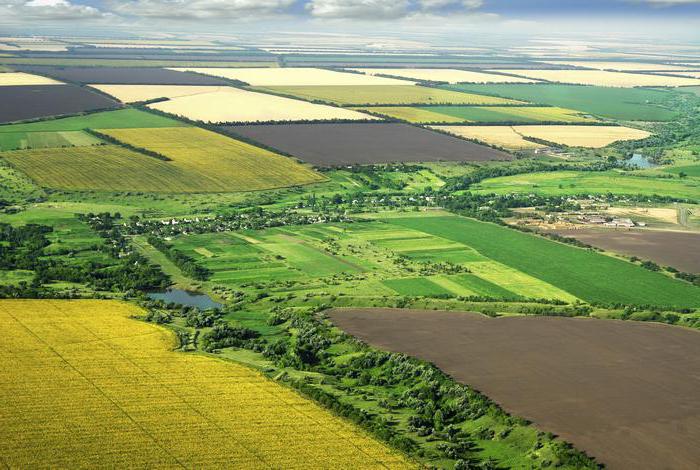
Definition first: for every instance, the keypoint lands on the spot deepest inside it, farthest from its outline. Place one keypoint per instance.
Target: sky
(658, 17)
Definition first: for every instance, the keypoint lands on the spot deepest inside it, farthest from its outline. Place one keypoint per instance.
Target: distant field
(134, 93)
(615, 103)
(585, 274)
(301, 76)
(582, 136)
(695, 74)
(222, 164)
(561, 183)
(619, 66)
(30, 102)
(501, 136)
(637, 406)
(69, 131)
(236, 105)
(89, 62)
(342, 144)
(604, 78)
(385, 94)
(456, 114)
(444, 75)
(19, 78)
(122, 75)
(84, 376)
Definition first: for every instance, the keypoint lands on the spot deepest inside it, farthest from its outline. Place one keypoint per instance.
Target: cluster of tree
(224, 335)
(187, 265)
(252, 219)
(114, 141)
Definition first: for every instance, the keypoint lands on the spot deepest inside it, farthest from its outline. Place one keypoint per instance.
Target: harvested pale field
(20, 78)
(235, 105)
(666, 248)
(619, 66)
(445, 75)
(387, 94)
(222, 164)
(624, 392)
(302, 76)
(694, 74)
(135, 93)
(500, 136)
(330, 145)
(85, 385)
(605, 78)
(582, 136)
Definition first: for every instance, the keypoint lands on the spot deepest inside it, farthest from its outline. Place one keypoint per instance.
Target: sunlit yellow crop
(83, 385)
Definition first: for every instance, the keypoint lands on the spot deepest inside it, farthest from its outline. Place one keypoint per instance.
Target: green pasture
(562, 183)
(585, 274)
(629, 104)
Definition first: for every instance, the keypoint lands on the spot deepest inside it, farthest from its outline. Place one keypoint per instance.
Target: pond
(183, 297)
(640, 161)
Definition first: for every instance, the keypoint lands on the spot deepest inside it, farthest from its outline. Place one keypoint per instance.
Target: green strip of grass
(585, 274)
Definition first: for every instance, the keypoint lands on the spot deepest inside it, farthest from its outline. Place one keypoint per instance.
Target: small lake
(640, 161)
(183, 297)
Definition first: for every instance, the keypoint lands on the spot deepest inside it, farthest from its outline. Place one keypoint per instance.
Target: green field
(486, 114)
(383, 94)
(629, 104)
(67, 132)
(562, 183)
(690, 170)
(36, 140)
(587, 275)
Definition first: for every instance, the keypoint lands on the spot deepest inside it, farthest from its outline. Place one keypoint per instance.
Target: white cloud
(47, 10)
(358, 9)
(199, 9)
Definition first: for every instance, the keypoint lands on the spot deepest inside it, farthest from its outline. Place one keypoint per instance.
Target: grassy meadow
(585, 274)
(563, 183)
(615, 103)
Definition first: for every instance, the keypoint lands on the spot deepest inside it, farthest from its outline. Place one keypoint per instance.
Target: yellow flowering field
(85, 385)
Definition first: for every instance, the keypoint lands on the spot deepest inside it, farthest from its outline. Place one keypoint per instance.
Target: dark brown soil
(29, 102)
(680, 250)
(120, 75)
(329, 145)
(627, 393)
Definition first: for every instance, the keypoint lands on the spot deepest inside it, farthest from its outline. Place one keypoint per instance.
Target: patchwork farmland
(233, 105)
(499, 136)
(487, 114)
(616, 357)
(301, 76)
(69, 131)
(384, 94)
(615, 103)
(121, 75)
(93, 355)
(19, 79)
(136, 93)
(604, 78)
(445, 75)
(199, 161)
(331, 145)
